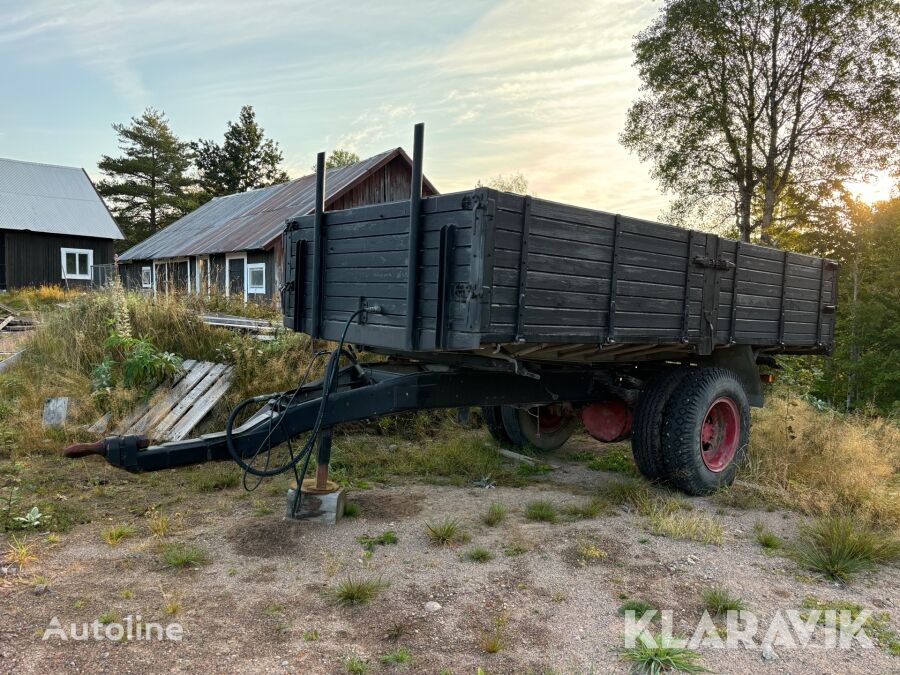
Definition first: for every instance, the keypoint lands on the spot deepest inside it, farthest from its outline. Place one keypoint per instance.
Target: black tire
(691, 406)
(521, 426)
(494, 422)
(646, 432)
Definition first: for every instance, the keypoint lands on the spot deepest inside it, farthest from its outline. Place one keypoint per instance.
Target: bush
(825, 463)
(842, 546)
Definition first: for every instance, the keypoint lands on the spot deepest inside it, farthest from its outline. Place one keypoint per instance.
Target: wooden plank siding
(35, 259)
(662, 285)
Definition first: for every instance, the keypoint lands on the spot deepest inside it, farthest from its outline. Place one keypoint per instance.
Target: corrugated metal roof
(54, 199)
(254, 219)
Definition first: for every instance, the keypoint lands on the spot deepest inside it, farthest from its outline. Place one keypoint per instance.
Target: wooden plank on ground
(189, 399)
(200, 409)
(5, 321)
(163, 406)
(126, 424)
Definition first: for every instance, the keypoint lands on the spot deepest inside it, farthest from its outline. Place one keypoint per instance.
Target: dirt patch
(388, 504)
(260, 602)
(269, 537)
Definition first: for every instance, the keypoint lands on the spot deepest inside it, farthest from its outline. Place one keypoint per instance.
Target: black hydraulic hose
(331, 370)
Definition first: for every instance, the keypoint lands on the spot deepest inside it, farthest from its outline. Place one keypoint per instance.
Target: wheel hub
(719, 434)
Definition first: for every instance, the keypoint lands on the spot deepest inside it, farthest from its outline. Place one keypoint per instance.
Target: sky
(536, 87)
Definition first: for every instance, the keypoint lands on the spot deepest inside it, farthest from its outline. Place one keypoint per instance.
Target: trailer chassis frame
(366, 391)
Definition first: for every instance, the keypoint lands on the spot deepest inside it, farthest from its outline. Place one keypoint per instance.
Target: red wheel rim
(549, 418)
(720, 434)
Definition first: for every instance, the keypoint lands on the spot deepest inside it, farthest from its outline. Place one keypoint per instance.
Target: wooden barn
(233, 244)
(54, 227)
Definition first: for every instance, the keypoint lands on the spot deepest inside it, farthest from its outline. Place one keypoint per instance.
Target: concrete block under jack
(317, 507)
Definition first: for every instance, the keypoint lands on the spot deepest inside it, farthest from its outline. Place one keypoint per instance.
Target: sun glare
(881, 186)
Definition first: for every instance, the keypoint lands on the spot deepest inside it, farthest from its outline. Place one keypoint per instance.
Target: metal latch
(713, 263)
(463, 292)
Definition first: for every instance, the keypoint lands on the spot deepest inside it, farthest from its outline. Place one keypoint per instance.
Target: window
(77, 263)
(146, 277)
(256, 278)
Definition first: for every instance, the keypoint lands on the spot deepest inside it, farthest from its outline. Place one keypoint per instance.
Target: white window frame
(149, 282)
(77, 251)
(256, 290)
(228, 259)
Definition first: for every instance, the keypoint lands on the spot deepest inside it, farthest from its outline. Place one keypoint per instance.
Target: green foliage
(738, 108)
(616, 458)
(340, 157)
(245, 160)
(141, 363)
(148, 186)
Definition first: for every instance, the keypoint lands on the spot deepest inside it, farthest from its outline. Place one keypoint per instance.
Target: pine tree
(245, 160)
(148, 186)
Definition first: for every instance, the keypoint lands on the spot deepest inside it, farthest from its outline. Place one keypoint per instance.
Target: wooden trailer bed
(512, 276)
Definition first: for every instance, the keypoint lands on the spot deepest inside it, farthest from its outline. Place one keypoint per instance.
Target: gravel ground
(249, 609)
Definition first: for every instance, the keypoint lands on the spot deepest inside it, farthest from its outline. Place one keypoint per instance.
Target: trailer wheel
(646, 433)
(493, 420)
(543, 427)
(706, 427)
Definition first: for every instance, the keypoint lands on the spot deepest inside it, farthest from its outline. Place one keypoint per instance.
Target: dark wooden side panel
(34, 258)
(577, 269)
(366, 262)
(567, 273)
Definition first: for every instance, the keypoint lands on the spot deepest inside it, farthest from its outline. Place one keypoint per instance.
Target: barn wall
(33, 258)
(391, 183)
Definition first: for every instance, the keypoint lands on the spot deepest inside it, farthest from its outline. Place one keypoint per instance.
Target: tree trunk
(744, 212)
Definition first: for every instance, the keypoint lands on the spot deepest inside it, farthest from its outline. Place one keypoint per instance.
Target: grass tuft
(396, 657)
(384, 539)
(541, 510)
(351, 510)
(182, 556)
(842, 546)
(639, 607)
(616, 458)
(114, 535)
(19, 552)
(718, 601)
(478, 555)
(444, 532)
(591, 509)
(356, 665)
(354, 591)
(495, 515)
(765, 537)
(661, 657)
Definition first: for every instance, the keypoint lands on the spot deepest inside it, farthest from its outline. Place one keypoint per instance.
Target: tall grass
(69, 344)
(827, 463)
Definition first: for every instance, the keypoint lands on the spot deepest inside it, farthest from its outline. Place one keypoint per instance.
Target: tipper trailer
(546, 315)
